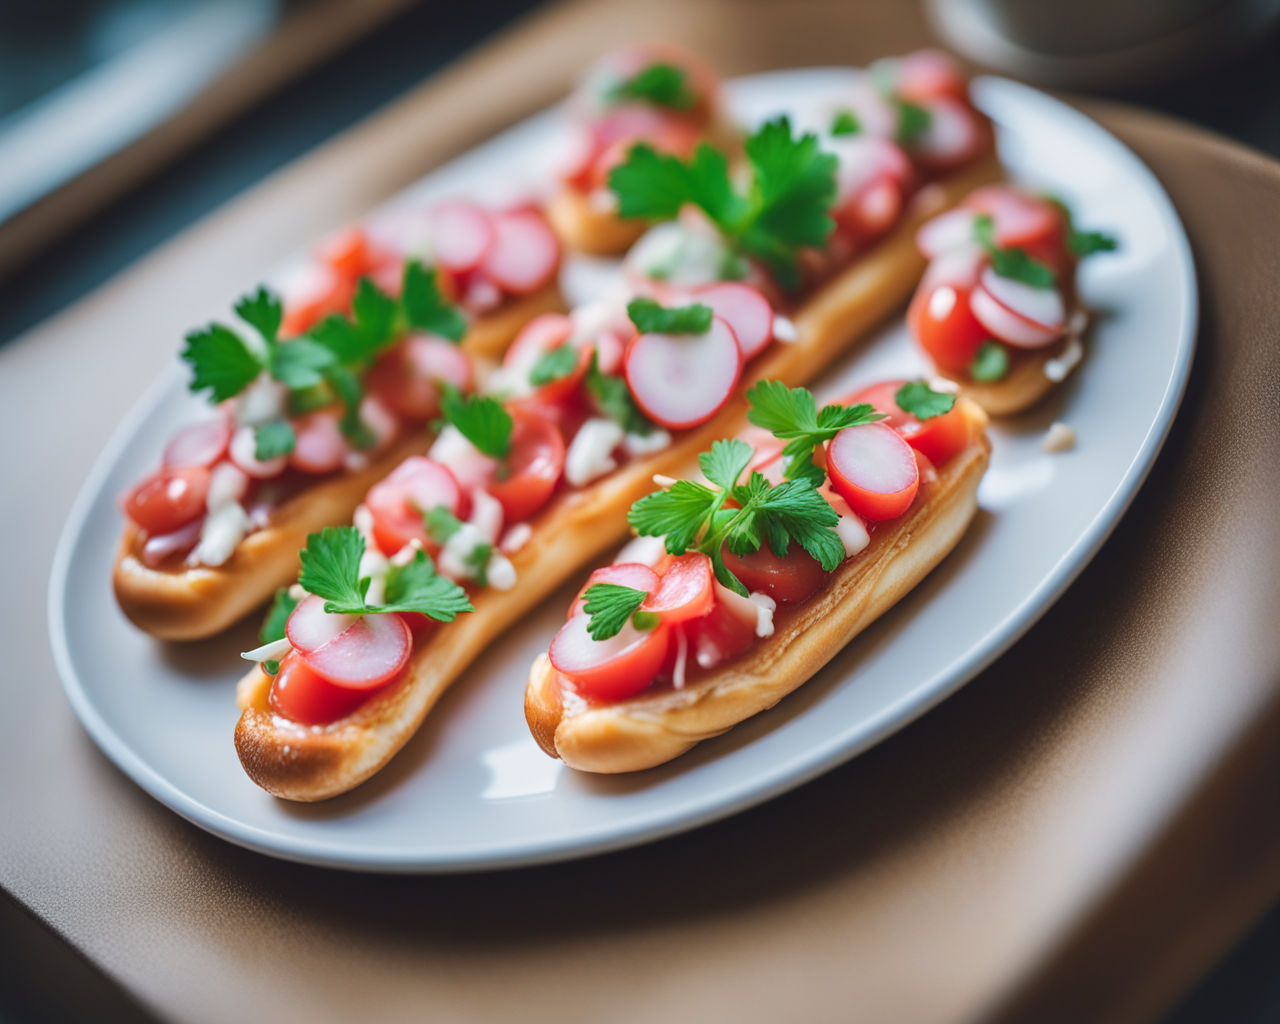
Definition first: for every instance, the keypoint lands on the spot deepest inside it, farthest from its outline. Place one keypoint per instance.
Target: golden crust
(595, 232)
(652, 729)
(578, 526)
(1024, 386)
(174, 602)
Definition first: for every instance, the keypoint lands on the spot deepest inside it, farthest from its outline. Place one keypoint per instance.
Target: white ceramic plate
(471, 790)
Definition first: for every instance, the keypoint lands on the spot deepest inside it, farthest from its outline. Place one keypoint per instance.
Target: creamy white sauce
(1057, 369)
(590, 455)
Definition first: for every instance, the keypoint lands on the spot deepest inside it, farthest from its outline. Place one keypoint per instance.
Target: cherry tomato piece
(525, 479)
(684, 590)
(723, 633)
(788, 580)
(939, 438)
(942, 322)
(166, 501)
(306, 697)
(397, 503)
(407, 377)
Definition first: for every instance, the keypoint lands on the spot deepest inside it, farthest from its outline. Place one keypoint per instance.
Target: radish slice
(744, 309)
(1017, 313)
(244, 453)
(397, 503)
(1020, 220)
(684, 591)
(952, 136)
(610, 669)
(626, 574)
(524, 254)
(368, 653)
(320, 446)
(201, 444)
(310, 627)
(874, 470)
(946, 231)
(462, 233)
(681, 380)
(538, 337)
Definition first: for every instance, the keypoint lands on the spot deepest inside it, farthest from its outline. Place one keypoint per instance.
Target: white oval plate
(471, 790)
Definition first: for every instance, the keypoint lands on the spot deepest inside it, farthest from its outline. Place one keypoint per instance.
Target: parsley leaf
(1012, 263)
(692, 516)
(661, 84)
(845, 123)
(609, 606)
(282, 606)
(347, 385)
(612, 398)
(263, 311)
(784, 208)
(425, 308)
(913, 120)
(417, 587)
(791, 414)
(916, 398)
(299, 364)
(480, 419)
(554, 365)
(331, 569)
(273, 439)
(222, 362)
(441, 524)
(1086, 243)
(271, 667)
(356, 342)
(651, 318)
(991, 363)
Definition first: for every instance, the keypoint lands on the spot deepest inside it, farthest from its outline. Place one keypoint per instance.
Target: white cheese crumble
(363, 521)
(273, 651)
(682, 659)
(486, 514)
(662, 480)
(227, 483)
(852, 532)
(765, 607)
(515, 538)
(500, 573)
(784, 330)
(1059, 438)
(261, 402)
(1057, 369)
(944, 385)
(296, 593)
(636, 445)
(469, 466)
(590, 455)
(221, 535)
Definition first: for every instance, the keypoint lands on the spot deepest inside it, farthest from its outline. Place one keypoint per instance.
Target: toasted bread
(653, 728)
(300, 763)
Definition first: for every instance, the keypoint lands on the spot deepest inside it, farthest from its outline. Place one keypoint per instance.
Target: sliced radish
(462, 233)
(244, 453)
(157, 549)
(538, 337)
(201, 444)
(320, 445)
(397, 503)
(684, 591)
(406, 378)
(928, 73)
(960, 266)
(873, 209)
(952, 137)
(469, 466)
(625, 574)
(874, 470)
(368, 653)
(681, 380)
(612, 669)
(1018, 313)
(524, 254)
(945, 232)
(744, 309)
(1020, 220)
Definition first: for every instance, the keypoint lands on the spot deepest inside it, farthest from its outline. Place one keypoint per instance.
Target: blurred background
(124, 121)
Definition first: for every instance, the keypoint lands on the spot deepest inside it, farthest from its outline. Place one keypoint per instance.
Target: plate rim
(726, 800)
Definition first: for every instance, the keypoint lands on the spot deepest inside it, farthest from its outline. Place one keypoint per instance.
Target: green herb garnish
(612, 398)
(651, 318)
(991, 363)
(663, 85)
(610, 605)
(918, 399)
(480, 419)
(273, 439)
(554, 365)
(282, 606)
(792, 415)
(1013, 263)
(845, 123)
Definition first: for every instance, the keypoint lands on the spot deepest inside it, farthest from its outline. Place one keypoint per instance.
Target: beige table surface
(1074, 836)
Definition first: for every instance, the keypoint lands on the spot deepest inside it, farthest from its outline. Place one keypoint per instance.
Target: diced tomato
(407, 377)
(788, 580)
(611, 669)
(201, 444)
(397, 503)
(941, 321)
(939, 438)
(348, 252)
(684, 590)
(166, 501)
(306, 697)
(624, 574)
(527, 476)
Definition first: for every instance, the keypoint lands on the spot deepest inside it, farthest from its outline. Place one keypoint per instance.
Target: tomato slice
(624, 574)
(407, 377)
(939, 438)
(788, 580)
(942, 322)
(306, 697)
(168, 500)
(525, 479)
(684, 590)
(612, 669)
(397, 503)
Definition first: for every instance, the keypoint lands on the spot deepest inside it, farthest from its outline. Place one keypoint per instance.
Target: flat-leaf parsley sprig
(610, 605)
(693, 517)
(785, 206)
(792, 414)
(331, 570)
